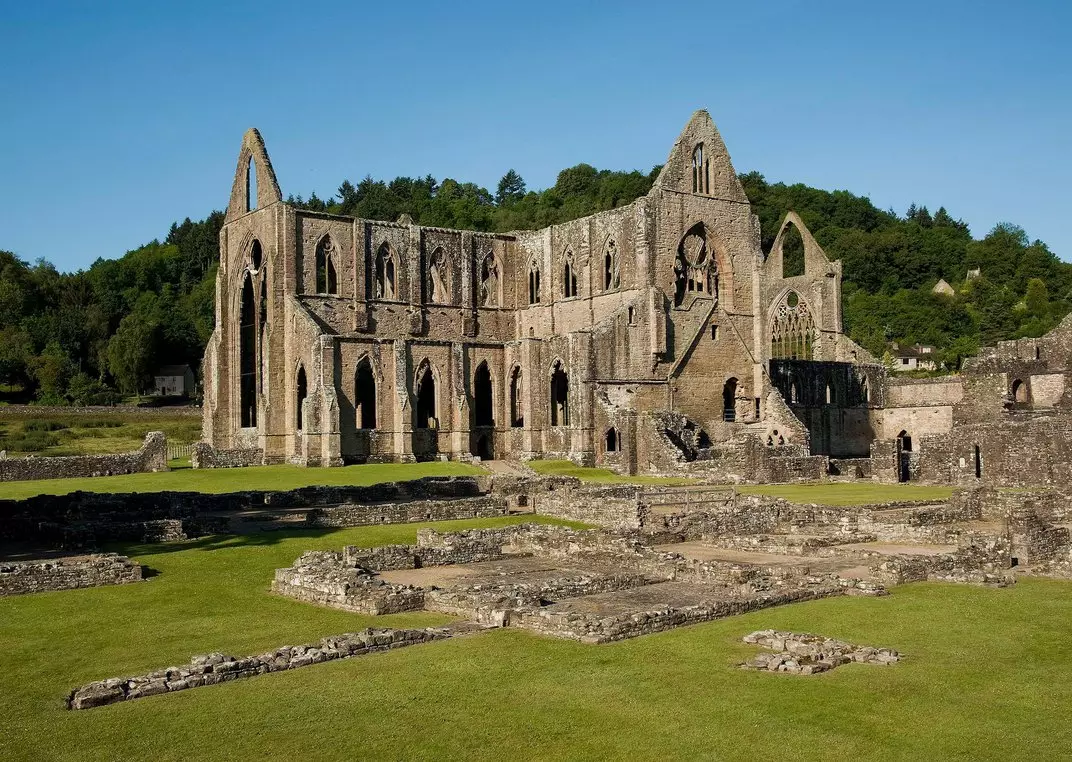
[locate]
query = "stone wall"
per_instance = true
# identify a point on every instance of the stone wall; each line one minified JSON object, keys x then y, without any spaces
{"x":214,"y":668}
{"x":207,"y":456}
{"x":67,"y":573}
{"x":353,"y":515}
{"x":151,"y":456}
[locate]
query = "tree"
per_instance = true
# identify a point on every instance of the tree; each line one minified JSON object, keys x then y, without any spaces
{"x":511,"y":189}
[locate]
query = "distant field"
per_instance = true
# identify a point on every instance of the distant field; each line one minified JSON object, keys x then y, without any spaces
{"x":986,"y":675}
{"x":47,"y":433}
{"x":216,"y":480}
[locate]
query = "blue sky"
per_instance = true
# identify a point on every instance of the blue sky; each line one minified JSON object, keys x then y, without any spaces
{"x":118,"y":118}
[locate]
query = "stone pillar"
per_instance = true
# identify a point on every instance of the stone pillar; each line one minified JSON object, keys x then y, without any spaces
{"x":401,"y":411}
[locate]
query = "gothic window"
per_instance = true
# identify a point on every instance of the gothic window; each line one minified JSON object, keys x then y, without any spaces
{"x":327,"y":281}
{"x":534,"y":282}
{"x":247,"y":355}
{"x":251,"y":185}
{"x":365,"y":395}
{"x":560,"y":412}
{"x":426,"y":398}
{"x":792,"y":330}
{"x":483,"y":411}
{"x":303,"y":392}
{"x":701,"y":166}
{"x":489,"y":282}
{"x":569,"y":276}
{"x":612,"y":440}
{"x":439,"y":277}
{"x":517,"y":417}
{"x":695,"y":270}
{"x":612,"y":276}
{"x":385,"y":273}
{"x":256,"y":256}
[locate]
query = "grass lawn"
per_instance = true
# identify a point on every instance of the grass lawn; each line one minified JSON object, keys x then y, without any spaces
{"x":217,"y":480}
{"x":987,"y":675}
{"x":28,"y":432}
{"x":848,"y":493}
{"x":600,"y":475}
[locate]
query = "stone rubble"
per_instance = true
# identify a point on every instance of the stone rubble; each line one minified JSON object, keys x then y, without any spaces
{"x":807,"y":654}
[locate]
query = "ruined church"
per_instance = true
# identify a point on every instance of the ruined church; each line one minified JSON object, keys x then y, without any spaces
{"x":658,"y":336}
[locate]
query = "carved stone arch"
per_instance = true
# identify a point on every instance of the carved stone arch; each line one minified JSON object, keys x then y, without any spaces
{"x":702,"y":262}
{"x":815,"y":260}
{"x":252,"y":160}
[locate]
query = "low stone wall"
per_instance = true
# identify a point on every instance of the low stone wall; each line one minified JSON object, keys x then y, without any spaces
{"x":611,"y":507}
{"x":213,"y":668}
{"x":606,"y":629}
{"x":67,"y":574}
{"x":408,"y":512}
{"x":984,"y":561}
{"x":151,"y":456}
{"x":206,"y":456}
{"x":86,"y":519}
{"x":324,"y":578}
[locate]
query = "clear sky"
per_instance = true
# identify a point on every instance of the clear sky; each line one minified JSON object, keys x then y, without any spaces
{"x":118,"y":118}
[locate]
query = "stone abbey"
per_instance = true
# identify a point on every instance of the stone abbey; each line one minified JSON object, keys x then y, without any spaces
{"x":658,"y":336}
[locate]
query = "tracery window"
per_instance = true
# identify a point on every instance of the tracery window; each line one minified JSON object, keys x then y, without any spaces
{"x":327,"y":281}
{"x":695,"y":270}
{"x":792,"y":330}
{"x":534,"y":282}
{"x":701,"y":165}
{"x":569,"y":276}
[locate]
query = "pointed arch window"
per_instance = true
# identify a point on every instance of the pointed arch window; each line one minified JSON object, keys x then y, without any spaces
{"x":327,"y":279}
{"x":612,"y":440}
{"x":302,"y":392}
{"x":695,"y":270}
{"x":248,"y":352}
{"x":438,"y":281}
{"x":792,"y":330}
{"x":483,"y":408}
{"x":534,"y":282}
{"x":386,"y":287}
{"x":489,"y":281}
{"x":560,"y":411}
{"x":612,"y":275}
{"x":517,"y":417}
{"x":569,"y":275}
{"x":701,"y":170}
{"x":251,"y":184}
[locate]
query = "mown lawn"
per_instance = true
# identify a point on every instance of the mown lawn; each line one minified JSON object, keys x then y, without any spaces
{"x":849,"y":493}
{"x":987,"y":675}
{"x":28,"y":432}
{"x":600,"y":475}
{"x":215,"y":480}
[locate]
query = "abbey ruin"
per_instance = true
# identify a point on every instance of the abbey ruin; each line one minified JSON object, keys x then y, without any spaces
{"x":655,"y":337}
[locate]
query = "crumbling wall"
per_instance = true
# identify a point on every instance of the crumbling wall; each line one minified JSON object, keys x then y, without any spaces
{"x":151,"y":456}
{"x":207,"y":456}
{"x":67,"y":573}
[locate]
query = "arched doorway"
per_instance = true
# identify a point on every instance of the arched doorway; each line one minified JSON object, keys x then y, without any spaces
{"x":517,"y":417}
{"x":483,"y":412}
{"x":559,"y":396}
{"x":247,"y":355}
{"x":612,"y":440}
{"x":365,"y":395}
{"x":426,"y":399}
{"x":729,"y":401}
{"x":904,"y":456}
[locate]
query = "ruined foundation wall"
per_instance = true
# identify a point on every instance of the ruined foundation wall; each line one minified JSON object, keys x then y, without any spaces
{"x":67,"y":574}
{"x":150,"y":457}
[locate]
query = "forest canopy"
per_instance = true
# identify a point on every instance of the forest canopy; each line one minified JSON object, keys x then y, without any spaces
{"x":86,"y":337}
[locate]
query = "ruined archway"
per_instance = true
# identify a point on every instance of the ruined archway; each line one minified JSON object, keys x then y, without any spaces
{"x":483,"y":409}
{"x":695,"y":269}
{"x":792,"y":329}
{"x":302,"y":391}
{"x":517,"y":416}
{"x":559,"y":398}
{"x":247,"y":355}
{"x":729,"y":401}
{"x":425,"y":408}
{"x":365,"y":394}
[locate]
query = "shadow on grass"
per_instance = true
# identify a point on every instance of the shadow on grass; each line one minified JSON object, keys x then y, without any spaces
{"x":215,"y":542}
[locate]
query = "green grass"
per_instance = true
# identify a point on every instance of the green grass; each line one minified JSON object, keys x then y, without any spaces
{"x":600,"y":475}
{"x":52,"y":434}
{"x":987,"y":675}
{"x":848,"y":493}
{"x":216,"y":480}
